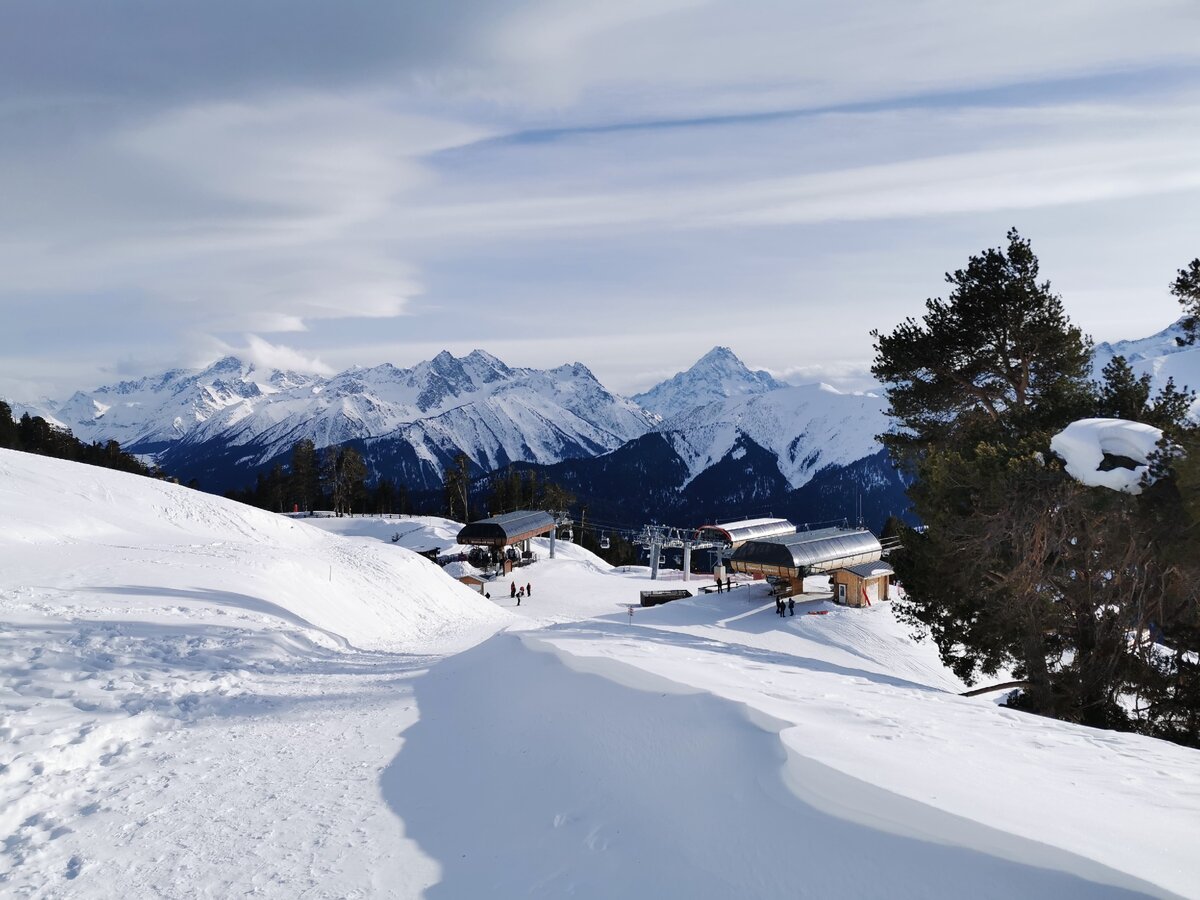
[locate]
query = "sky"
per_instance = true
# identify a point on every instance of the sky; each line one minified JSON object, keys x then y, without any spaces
{"x":316,"y":185}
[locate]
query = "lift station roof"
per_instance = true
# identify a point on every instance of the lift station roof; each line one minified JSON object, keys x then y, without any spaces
{"x":500,"y":531}
{"x":807,"y":551}
{"x":748,"y":529}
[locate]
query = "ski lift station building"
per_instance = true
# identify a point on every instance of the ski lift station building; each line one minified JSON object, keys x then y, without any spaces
{"x":791,"y":557}
{"x":737,"y":533}
{"x":509,"y":530}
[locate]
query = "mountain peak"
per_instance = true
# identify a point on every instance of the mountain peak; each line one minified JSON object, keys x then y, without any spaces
{"x":719,"y":354}
{"x":717,"y":375}
{"x":226,"y":365}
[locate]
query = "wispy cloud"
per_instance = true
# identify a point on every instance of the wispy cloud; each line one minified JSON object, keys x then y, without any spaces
{"x":646,"y":178}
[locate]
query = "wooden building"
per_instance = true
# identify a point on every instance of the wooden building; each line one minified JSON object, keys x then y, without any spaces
{"x":862,"y":584}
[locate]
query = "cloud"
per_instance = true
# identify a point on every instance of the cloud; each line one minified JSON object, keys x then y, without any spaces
{"x":266,"y":355}
{"x":271,"y":219}
{"x":493,"y":171}
{"x":1036,"y":170}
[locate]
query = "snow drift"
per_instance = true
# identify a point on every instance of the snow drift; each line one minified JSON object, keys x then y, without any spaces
{"x":77,"y":540}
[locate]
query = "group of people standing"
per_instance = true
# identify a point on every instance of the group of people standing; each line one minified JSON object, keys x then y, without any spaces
{"x":520,"y":593}
{"x":790,"y":606}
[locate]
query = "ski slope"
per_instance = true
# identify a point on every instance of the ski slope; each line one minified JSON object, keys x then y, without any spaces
{"x":204,"y":700}
{"x":195,"y":696}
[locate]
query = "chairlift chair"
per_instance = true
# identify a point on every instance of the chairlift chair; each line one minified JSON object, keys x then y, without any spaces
{"x":604,"y":542}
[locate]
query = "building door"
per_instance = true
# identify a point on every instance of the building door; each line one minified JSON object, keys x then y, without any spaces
{"x":841,"y":592}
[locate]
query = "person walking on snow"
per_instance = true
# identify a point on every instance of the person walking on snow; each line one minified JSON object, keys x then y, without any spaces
{"x":520,"y":594}
{"x":512,"y":589}
{"x":791,"y":606}
{"x":529,"y":590}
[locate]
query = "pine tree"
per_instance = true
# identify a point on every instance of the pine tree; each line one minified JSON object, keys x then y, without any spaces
{"x":1186,"y":289}
{"x":352,"y":473}
{"x":1020,"y":565}
{"x":1124,"y":395}
{"x":305,"y":487}
{"x":8,"y":427}
{"x":998,"y":356}
{"x":456,"y":487}
{"x":976,"y":387}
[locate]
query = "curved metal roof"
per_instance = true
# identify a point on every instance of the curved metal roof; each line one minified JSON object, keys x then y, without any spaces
{"x":506,"y":529}
{"x":812,"y":551}
{"x":746,"y":530}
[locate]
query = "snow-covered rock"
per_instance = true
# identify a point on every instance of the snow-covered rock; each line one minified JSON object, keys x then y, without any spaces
{"x":1084,"y":444}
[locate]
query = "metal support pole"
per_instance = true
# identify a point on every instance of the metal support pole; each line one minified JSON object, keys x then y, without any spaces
{"x":655,"y":550}
{"x":553,"y":531}
{"x":687,"y":562}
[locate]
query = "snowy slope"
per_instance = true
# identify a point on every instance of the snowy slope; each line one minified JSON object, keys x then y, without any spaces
{"x":99,"y":534}
{"x":930,"y":794}
{"x":807,"y":428}
{"x":170,"y":662}
{"x":184,"y":713}
{"x":717,"y":375}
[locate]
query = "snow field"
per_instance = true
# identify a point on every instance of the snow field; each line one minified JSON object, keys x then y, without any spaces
{"x":874,"y":731}
{"x":201,"y":699}
{"x":168,"y":659}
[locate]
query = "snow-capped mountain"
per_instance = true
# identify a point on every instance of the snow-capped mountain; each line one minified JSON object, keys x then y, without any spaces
{"x":717,"y":375}
{"x":808,"y":453}
{"x":806,"y":428}
{"x":1161,"y":356}
{"x":221,"y":424}
{"x":150,"y":413}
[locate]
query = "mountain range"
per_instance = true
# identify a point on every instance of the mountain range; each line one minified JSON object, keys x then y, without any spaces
{"x":717,"y":441}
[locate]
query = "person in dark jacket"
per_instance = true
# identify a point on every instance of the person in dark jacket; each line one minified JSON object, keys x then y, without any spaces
{"x":791,"y":606}
{"x":520,"y":594}
{"x":512,"y":588}
{"x":529,"y":590}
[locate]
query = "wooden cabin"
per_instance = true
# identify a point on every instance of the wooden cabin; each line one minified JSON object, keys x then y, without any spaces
{"x":862,"y":584}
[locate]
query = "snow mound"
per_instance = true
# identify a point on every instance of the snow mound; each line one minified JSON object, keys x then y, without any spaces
{"x":172,"y":663}
{"x":419,"y":533}
{"x":1084,"y":444}
{"x":96,"y":543}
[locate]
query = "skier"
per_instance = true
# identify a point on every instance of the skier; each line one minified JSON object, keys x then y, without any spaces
{"x":791,"y":606}
{"x":512,"y":588}
{"x":529,"y":590}
{"x":718,"y":584}
{"x":520,"y":594}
